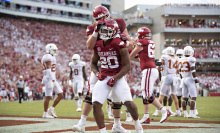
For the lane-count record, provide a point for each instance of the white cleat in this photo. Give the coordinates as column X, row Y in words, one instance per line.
column 193, row 116
column 129, row 119
column 47, row 116
column 78, row 109
column 119, row 129
column 110, row 116
column 171, row 112
column 165, row 115
column 176, row 114
column 52, row 112
column 79, row 128
column 196, row 112
column 186, row 116
column 156, row 114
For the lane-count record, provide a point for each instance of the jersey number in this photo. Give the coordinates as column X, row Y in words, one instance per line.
column 175, row 65
column 187, row 67
column 76, row 72
column 53, row 67
column 107, row 62
column 151, row 50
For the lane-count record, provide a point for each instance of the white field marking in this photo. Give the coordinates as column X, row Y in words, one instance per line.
column 65, row 124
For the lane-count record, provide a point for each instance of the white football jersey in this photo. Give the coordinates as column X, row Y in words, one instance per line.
column 170, row 64
column 49, row 57
column 185, row 64
column 77, row 69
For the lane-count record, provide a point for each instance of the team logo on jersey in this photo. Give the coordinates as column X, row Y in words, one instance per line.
column 99, row 49
column 121, row 43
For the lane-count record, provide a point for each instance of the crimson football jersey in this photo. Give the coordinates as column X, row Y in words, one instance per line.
column 121, row 26
column 147, row 56
column 110, row 57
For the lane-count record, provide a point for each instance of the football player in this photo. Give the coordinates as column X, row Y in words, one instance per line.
column 77, row 72
column 146, row 50
column 3, row 91
column 49, row 80
column 115, row 63
column 100, row 13
column 170, row 62
column 189, row 80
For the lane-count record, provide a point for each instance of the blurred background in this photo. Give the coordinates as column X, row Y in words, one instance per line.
column 26, row 26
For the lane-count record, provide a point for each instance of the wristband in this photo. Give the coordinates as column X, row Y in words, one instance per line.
column 95, row 34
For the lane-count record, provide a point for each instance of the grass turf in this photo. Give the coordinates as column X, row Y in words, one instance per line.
column 208, row 108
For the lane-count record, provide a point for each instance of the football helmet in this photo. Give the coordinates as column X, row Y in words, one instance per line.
column 76, row 58
column 188, row 50
column 144, row 32
column 108, row 30
column 170, row 51
column 51, row 48
column 180, row 53
column 164, row 52
column 99, row 12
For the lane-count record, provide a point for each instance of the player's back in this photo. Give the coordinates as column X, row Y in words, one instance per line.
column 77, row 69
column 147, row 56
column 186, row 63
column 170, row 64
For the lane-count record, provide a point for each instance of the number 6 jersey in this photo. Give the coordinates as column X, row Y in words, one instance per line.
column 147, row 54
column 110, row 57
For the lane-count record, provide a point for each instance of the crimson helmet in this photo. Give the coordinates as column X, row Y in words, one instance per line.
column 108, row 30
column 99, row 12
column 144, row 32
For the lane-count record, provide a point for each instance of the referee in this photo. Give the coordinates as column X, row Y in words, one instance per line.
column 20, row 88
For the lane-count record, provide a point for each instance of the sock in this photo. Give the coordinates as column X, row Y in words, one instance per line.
column 128, row 114
column 117, row 121
column 45, row 113
column 103, row 129
column 162, row 109
column 178, row 111
column 185, row 112
column 52, row 108
column 168, row 107
column 83, row 119
column 191, row 112
column 137, row 124
column 146, row 115
column 77, row 103
column 156, row 110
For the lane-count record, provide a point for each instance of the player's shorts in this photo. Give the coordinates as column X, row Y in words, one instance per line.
column 189, row 87
column 149, row 76
column 78, row 86
column 179, row 88
column 170, row 82
column 92, row 81
column 52, row 86
column 3, row 93
column 120, row 91
column 12, row 93
column 29, row 93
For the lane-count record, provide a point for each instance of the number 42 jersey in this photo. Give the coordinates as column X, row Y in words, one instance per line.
column 147, row 54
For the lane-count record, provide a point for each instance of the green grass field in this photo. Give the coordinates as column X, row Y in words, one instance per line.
column 208, row 108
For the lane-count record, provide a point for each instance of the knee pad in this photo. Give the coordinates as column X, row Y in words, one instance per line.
column 116, row 106
column 145, row 101
column 88, row 100
column 151, row 99
column 76, row 97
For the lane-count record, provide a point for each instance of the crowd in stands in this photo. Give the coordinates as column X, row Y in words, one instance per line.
column 210, row 81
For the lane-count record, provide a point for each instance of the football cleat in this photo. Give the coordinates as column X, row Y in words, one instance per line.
column 47, row 116
column 79, row 128
column 145, row 120
column 52, row 112
column 129, row 119
column 176, row 114
column 155, row 114
column 78, row 109
column 193, row 116
column 119, row 129
column 165, row 115
column 196, row 112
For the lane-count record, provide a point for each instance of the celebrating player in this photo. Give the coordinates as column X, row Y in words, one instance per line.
column 115, row 63
column 77, row 70
column 49, row 80
column 146, row 48
column 189, row 79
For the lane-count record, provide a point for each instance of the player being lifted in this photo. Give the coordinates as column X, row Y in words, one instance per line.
column 77, row 71
column 100, row 13
column 145, row 49
column 189, row 79
column 115, row 63
column 170, row 62
column 49, row 80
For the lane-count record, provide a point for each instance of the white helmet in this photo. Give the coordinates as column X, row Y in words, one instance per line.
column 51, row 48
column 180, row 53
column 188, row 50
column 21, row 77
column 170, row 51
column 164, row 52
column 76, row 58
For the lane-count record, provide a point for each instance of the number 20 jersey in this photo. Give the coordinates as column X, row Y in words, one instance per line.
column 147, row 54
column 110, row 57
column 185, row 64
